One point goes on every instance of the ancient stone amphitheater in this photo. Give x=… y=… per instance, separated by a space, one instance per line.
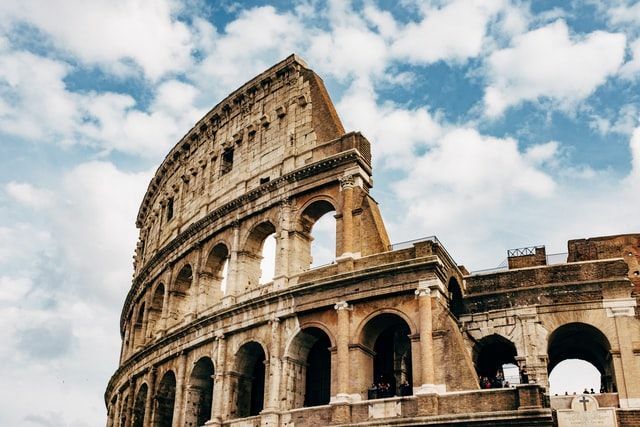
x=385 y=334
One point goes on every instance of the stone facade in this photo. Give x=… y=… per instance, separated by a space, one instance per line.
x=204 y=342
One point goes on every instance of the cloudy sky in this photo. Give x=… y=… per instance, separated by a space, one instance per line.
x=494 y=125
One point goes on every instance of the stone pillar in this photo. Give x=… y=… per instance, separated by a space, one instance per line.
x=275 y=366
x=342 y=347
x=145 y=316
x=129 y=409
x=196 y=291
x=151 y=384
x=233 y=268
x=166 y=301
x=218 y=382
x=283 y=246
x=178 y=410
x=626 y=370
x=346 y=187
x=427 y=374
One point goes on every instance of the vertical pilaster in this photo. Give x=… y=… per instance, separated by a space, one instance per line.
x=425 y=316
x=151 y=390
x=166 y=301
x=233 y=268
x=283 y=246
x=178 y=409
x=623 y=312
x=129 y=409
x=275 y=365
x=343 y=310
x=346 y=187
x=218 y=382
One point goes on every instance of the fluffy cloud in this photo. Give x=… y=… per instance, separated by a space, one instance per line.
x=547 y=62
x=439 y=35
x=631 y=69
x=110 y=34
x=28 y=195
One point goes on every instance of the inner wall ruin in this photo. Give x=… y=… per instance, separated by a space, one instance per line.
x=385 y=334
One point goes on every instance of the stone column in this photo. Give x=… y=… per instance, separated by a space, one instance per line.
x=423 y=294
x=346 y=187
x=232 y=270
x=342 y=349
x=283 y=246
x=178 y=410
x=275 y=366
x=196 y=291
x=145 y=316
x=151 y=389
x=626 y=370
x=218 y=382
x=166 y=301
x=129 y=409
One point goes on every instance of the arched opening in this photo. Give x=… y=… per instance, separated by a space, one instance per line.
x=317 y=239
x=574 y=376
x=582 y=342
x=214 y=275
x=250 y=368
x=138 y=406
x=257 y=261
x=386 y=336
x=495 y=359
x=456 y=303
x=200 y=393
x=138 y=328
x=155 y=311
x=165 y=401
x=123 y=412
x=180 y=295
x=309 y=369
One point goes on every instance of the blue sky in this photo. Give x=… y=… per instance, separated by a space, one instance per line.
x=494 y=124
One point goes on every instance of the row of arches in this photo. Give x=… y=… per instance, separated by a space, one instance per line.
x=306 y=367
x=233 y=268
x=573 y=350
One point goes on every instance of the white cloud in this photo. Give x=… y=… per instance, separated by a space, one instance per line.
x=253 y=42
x=455 y=31
x=111 y=33
x=393 y=131
x=631 y=68
x=547 y=62
x=624 y=13
x=28 y=195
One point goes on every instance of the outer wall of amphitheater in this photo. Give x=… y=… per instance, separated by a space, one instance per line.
x=384 y=335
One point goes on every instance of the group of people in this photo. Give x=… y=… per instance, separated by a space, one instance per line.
x=382 y=388
x=497 y=381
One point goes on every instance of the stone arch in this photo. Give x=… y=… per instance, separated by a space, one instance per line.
x=138 y=327
x=456 y=301
x=251 y=256
x=250 y=380
x=165 y=401
x=490 y=354
x=308 y=367
x=387 y=310
x=582 y=341
x=156 y=305
x=200 y=393
x=139 y=406
x=302 y=240
x=180 y=293
x=385 y=354
x=214 y=274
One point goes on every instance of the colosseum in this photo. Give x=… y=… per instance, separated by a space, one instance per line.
x=386 y=334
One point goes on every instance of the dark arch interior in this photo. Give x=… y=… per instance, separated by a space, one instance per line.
x=155 y=309
x=200 y=393
x=251 y=380
x=314 y=212
x=216 y=259
x=257 y=237
x=388 y=336
x=165 y=401
x=491 y=353
x=318 y=377
x=456 y=303
x=183 y=281
x=584 y=342
x=138 y=406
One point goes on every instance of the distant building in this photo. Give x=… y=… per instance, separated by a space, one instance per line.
x=385 y=335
